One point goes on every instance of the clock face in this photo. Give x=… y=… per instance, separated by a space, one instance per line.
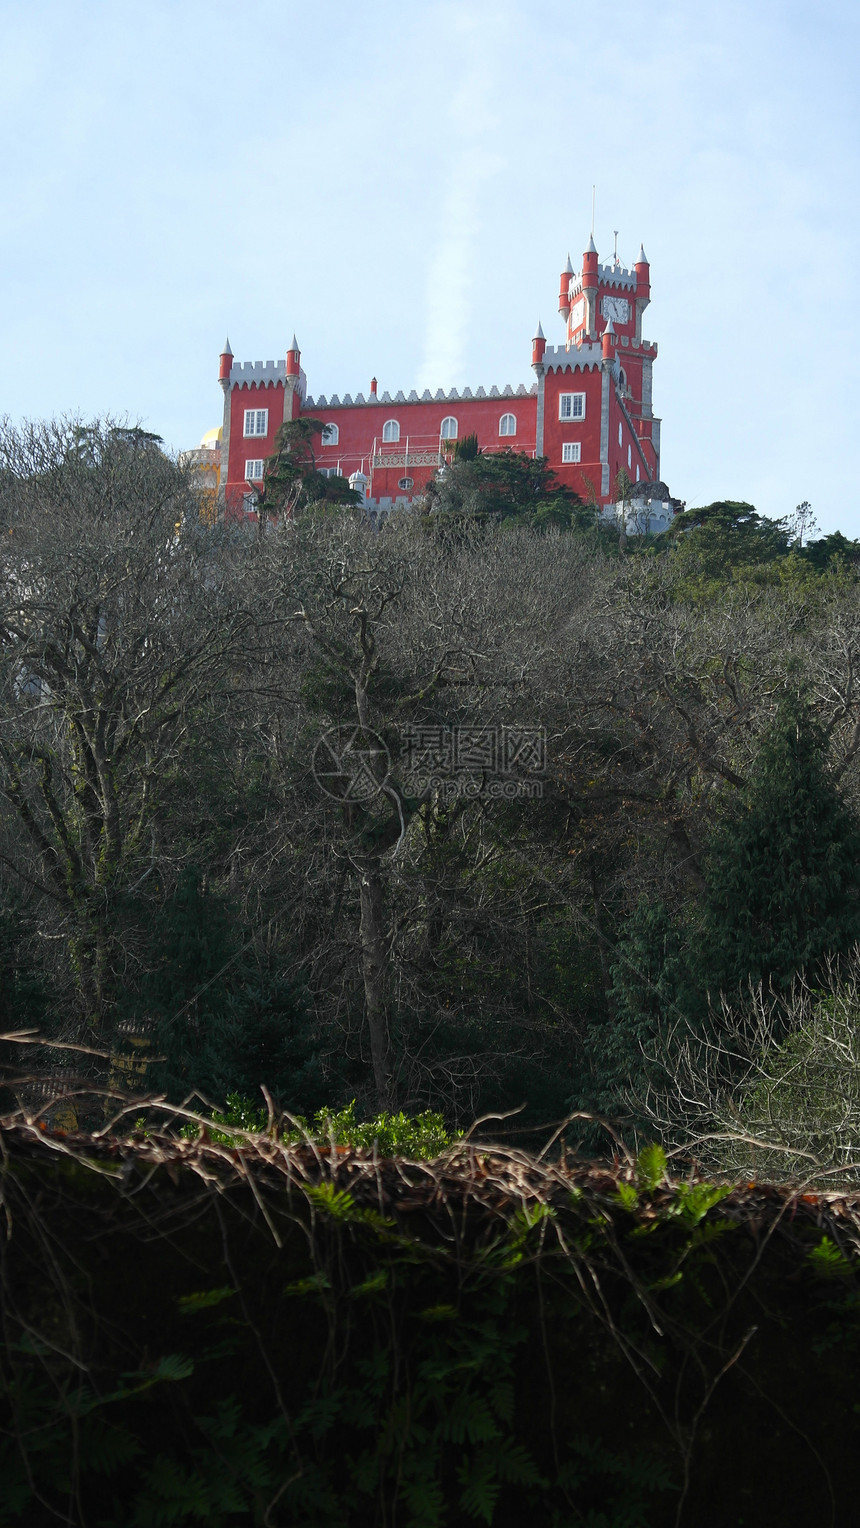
x=616 y=308
x=577 y=315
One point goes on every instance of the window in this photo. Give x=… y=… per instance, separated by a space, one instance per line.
x=571 y=405
x=256 y=421
x=507 y=425
x=328 y=472
x=390 y=430
x=448 y=428
x=254 y=470
x=571 y=451
x=405 y=483
x=620 y=434
x=330 y=435
x=630 y=456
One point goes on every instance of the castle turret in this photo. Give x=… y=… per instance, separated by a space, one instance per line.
x=563 y=289
x=294 y=359
x=538 y=346
x=608 y=342
x=589 y=265
x=643 y=275
x=225 y=363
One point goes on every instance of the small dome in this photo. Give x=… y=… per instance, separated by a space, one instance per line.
x=211 y=439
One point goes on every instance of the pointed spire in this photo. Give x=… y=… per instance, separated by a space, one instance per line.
x=227 y=350
x=295 y=343
x=641 y=258
x=538 y=334
x=610 y=328
x=591 y=247
x=568 y=270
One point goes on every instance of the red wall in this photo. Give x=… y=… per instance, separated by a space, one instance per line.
x=360 y=424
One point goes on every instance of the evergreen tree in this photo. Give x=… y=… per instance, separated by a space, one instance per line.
x=222 y=1022
x=505 y=486
x=651 y=990
x=784 y=869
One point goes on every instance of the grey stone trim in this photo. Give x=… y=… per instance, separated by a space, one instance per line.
x=655 y=441
x=225 y=447
x=455 y=395
x=647 y=385
x=604 y=477
x=253 y=373
x=605 y=383
x=540 y=385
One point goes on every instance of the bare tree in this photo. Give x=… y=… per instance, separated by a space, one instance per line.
x=115 y=629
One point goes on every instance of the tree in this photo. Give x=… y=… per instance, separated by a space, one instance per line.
x=116 y=629
x=783 y=878
x=504 y=486
x=292 y=483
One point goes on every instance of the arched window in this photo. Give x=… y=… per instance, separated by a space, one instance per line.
x=508 y=424
x=405 y=483
x=330 y=435
x=390 y=430
x=448 y=428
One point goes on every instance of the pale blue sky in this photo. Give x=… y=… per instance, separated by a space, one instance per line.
x=401 y=182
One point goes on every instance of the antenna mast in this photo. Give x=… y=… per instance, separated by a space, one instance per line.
x=615 y=251
x=593 y=189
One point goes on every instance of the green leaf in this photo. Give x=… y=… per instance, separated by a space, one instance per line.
x=695 y=1200
x=627 y=1196
x=202 y=1299
x=651 y=1166
x=828 y=1261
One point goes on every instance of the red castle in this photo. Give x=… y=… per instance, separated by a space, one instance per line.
x=589 y=412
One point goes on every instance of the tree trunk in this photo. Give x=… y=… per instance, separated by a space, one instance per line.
x=373 y=964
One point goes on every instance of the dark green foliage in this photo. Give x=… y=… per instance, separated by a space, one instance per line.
x=293 y=1350
x=830 y=551
x=652 y=990
x=223 y=1022
x=292 y=482
x=23 y=993
x=783 y=875
x=505 y=486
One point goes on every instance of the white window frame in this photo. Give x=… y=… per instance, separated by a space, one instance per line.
x=254 y=469
x=504 y=422
x=405 y=483
x=390 y=432
x=629 y=457
x=571 y=406
x=256 y=422
x=620 y=433
x=445 y=430
x=571 y=451
x=331 y=435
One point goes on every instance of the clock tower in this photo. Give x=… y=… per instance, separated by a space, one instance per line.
x=594 y=408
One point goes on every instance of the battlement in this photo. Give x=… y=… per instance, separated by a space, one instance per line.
x=607 y=276
x=440 y=396
x=255 y=373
